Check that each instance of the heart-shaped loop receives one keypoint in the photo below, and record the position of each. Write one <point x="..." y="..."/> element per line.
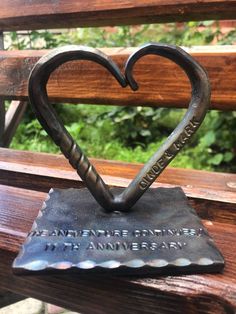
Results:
<point x="175" y="142"/>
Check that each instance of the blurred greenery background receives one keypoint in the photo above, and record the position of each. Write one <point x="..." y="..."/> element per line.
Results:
<point x="132" y="133"/>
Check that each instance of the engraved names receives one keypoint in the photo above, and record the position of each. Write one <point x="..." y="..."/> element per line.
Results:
<point x="169" y="154"/>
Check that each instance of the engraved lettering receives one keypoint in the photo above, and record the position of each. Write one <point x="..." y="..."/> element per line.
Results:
<point x="44" y="233"/>
<point x="186" y="134"/>
<point x="170" y="232"/>
<point x="168" y="154"/>
<point x="173" y="245"/>
<point x="161" y="163"/>
<point x="153" y="246"/>
<point x="125" y="233"/>
<point x="71" y="233"/>
<point x="156" y="169"/>
<point x="67" y="245"/>
<point x="100" y="246"/>
<point x="93" y="233"/>
<point x="189" y="232"/>
<point x="101" y="232"/>
<point x="143" y="184"/>
<point x="117" y="233"/>
<point x="115" y="246"/>
<point x="144" y="245"/>
<point x="136" y="233"/>
<point x="183" y="138"/>
<point x="178" y="145"/>
<point x="85" y="233"/>
<point x="32" y="233"/>
<point x="91" y="246"/>
<point x="54" y="233"/>
<point x="151" y="175"/>
<point x="62" y="233"/>
<point x="145" y="233"/>
<point x="50" y="246"/>
<point x="188" y="130"/>
<point x="164" y="245"/>
<point x="194" y="122"/>
<point x="125" y="246"/>
<point x="75" y="246"/>
<point x="134" y="246"/>
<point x="110" y="246"/>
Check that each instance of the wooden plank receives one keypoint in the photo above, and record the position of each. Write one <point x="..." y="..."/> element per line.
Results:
<point x="162" y="83"/>
<point x="13" y="118"/>
<point x="38" y="171"/>
<point x="25" y="14"/>
<point x="205" y="293"/>
<point x="114" y="172"/>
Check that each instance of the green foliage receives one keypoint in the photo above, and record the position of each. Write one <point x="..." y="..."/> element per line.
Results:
<point x="138" y="126"/>
<point x="133" y="133"/>
<point x="229" y="38"/>
<point x="187" y="34"/>
<point x="213" y="145"/>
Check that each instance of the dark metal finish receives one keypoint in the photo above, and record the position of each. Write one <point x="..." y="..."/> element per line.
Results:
<point x="160" y="234"/>
<point x="157" y="163"/>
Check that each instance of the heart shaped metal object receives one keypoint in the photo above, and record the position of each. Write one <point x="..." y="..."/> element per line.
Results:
<point x="157" y="163"/>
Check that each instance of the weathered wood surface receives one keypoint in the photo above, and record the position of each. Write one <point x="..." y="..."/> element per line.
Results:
<point x="162" y="83"/>
<point x="13" y="118"/>
<point x="38" y="171"/>
<point x="207" y="293"/>
<point x="27" y="14"/>
<point x="53" y="167"/>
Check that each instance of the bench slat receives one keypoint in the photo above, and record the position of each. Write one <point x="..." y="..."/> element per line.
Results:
<point x="39" y="171"/>
<point x="57" y="167"/>
<point x="162" y="83"/>
<point x="25" y="14"/>
<point x="13" y="118"/>
<point x="215" y="293"/>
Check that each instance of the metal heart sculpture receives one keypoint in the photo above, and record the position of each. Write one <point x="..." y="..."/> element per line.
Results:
<point x="157" y="163"/>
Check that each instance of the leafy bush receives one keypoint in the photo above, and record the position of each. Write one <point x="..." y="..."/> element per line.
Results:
<point x="133" y="133"/>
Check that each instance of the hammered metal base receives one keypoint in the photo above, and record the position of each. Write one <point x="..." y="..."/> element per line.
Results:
<point x="160" y="234"/>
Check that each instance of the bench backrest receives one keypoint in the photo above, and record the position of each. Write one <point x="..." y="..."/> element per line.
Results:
<point x="41" y="14"/>
<point x="162" y="84"/>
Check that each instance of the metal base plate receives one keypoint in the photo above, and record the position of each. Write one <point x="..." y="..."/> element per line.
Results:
<point x="160" y="234"/>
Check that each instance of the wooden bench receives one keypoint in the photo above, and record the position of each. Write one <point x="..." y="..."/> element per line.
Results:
<point x="26" y="177"/>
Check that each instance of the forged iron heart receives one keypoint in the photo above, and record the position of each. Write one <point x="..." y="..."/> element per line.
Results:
<point x="158" y="162"/>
